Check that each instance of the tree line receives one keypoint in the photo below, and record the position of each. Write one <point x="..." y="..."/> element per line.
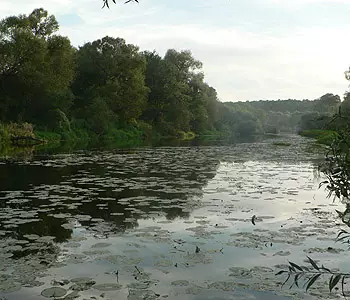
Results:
<point x="108" y="85"/>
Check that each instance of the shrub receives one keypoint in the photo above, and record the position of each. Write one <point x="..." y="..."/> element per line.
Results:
<point x="20" y="129"/>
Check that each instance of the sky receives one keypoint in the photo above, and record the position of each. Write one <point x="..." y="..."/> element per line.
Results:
<point x="250" y="49"/>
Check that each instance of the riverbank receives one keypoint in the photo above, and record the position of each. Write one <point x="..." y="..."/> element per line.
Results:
<point x="322" y="136"/>
<point x="15" y="137"/>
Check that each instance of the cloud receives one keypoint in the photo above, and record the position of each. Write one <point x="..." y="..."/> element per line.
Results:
<point x="244" y="57"/>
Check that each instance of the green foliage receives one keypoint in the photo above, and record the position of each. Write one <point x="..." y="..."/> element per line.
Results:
<point x="182" y="135"/>
<point x="20" y="129"/>
<point x="48" y="136"/>
<point x="336" y="168"/>
<point x="308" y="275"/>
<point x="322" y="136"/>
<point x="110" y="71"/>
<point x="123" y="137"/>
<point x="57" y="119"/>
<point x="36" y="67"/>
<point x="190" y="135"/>
<point x="328" y="104"/>
<point x="290" y="115"/>
<point x="179" y="99"/>
<point x="5" y="136"/>
<point x="107" y="89"/>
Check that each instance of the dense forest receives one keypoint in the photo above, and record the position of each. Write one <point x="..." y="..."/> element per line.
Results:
<point x="108" y="89"/>
<point x="289" y="115"/>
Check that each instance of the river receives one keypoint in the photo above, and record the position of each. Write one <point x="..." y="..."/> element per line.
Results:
<point x="192" y="222"/>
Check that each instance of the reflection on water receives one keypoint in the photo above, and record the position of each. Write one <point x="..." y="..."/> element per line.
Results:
<point x="171" y="222"/>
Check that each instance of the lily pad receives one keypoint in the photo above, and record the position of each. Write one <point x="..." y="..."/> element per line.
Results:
<point x="107" y="287"/>
<point x="180" y="283"/>
<point x="53" y="292"/>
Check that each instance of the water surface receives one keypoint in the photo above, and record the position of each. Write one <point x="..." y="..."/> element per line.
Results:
<point x="165" y="223"/>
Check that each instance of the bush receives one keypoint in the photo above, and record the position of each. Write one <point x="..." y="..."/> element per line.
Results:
<point x="4" y="134"/>
<point x="322" y="136"/>
<point x="20" y="129"/>
<point x="146" y="128"/>
<point x="58" y="120"/>
<point x="48" y="136"/>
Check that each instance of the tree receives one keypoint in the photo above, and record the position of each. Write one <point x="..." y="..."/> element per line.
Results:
<point x="327" y="104"/>
<point x="157" y="80"/>
<point x="182" y="67"/>
<point x="345" y="105"/>
<point x="112" y="71"/>
<point x="176" y="95"/>
<point x="36" y="67"/>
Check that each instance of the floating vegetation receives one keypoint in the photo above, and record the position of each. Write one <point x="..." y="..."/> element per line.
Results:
<point x="122" y="259"/>
<point x="139" y="294"/>
<point x="107" y="287"/>
<point x="53" y="292"/>
<point x="155" y="222"/>
<point x="180" y="283"/>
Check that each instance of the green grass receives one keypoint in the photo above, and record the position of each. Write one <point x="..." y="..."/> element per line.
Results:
<point x="122" y="137"/>
<point x="212" y="135"/>
<point x="48" y="136"/>
<point x="325" y="137"/>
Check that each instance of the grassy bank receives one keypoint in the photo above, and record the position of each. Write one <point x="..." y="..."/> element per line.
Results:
<point x="322" y="136"/>
<point x="77" y="136"/>
<point x="212" y="135"/>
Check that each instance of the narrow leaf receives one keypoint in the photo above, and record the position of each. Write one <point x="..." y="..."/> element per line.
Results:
<point x="306" y="268"/>
<point x="295" y="266"/>
<point x="296" y="279"/>
<point x="286" y="280"/>
<point x="342" y="286"/>
<point x="280" y="272"/>
<point x="334" y="282"/>
<point x="312" y="281"/>
<point x="341" y="232"/>
<point x="330" y="283"/>
<point x="322" y="183"/>
<point x="313" y="263"/>
<point x="342" y="238"/>
<point x="326" y="269"/>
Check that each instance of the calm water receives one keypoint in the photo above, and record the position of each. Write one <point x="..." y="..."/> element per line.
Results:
<point x="165" y="223"/>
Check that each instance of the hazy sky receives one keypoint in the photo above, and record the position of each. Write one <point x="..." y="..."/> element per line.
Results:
<point x="251" y="49"/>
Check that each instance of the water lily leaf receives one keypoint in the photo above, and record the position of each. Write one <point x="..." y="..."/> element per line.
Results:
<point x="107" y="286"/>
<point x="53" y="292"/>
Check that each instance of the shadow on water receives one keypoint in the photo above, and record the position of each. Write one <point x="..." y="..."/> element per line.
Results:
<point x="23" y="153"/>
<point x="104" y="187"/>
<point x="108" y="202"/>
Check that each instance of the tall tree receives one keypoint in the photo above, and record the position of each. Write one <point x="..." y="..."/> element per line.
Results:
<point x="174" y="83"/>
<point x="328" y="103"/>
<point x="181" y="68"/>
<point x="36" y="67"/>
<point x="111" y="70"/>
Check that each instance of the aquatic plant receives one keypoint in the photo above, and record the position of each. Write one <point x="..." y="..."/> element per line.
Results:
<point x="336" y="168"/>
<point x="310" y="274"/>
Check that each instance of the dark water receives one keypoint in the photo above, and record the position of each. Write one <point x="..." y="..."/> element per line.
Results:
<point x="164" y="223"/>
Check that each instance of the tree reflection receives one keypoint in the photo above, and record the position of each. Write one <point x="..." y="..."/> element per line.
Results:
<point x="106" y="192"/>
